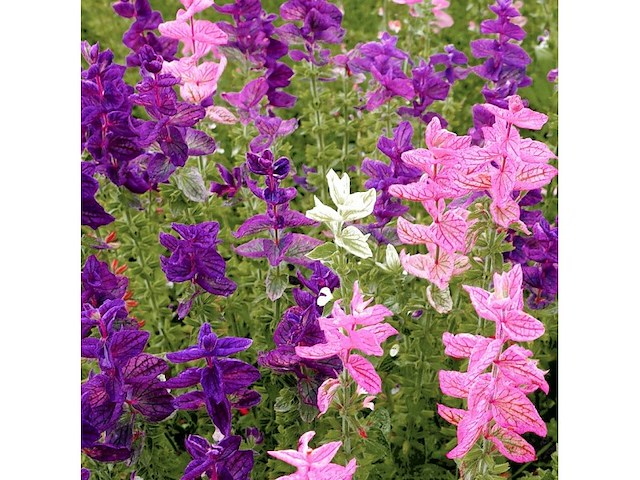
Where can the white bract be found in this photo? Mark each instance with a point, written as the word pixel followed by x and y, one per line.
pixel 351 206
pixel 391 261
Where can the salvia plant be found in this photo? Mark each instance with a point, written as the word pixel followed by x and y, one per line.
pixel 319 240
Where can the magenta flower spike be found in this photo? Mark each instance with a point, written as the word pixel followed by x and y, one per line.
pixel 314 464
pixel 497 405
pixel 343 336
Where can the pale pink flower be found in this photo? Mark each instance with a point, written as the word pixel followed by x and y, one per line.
pixel 395 26
pixel 197 82
pixel 314 464
pixel 442 18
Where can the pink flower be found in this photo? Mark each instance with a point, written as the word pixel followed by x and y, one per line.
pixel 343 336
pixel 314 464
pixel 197 82
pixel 504 306
pixel 442 19
pixel 497 405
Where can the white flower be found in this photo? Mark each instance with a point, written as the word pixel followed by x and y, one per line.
pixel 394 350
pixel 325 297
pixel 350 207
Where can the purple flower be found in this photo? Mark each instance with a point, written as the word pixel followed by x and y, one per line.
pixel 428 87
pixel 382 176
pixel 270 129
pixel 222 460
pixel 219 378
pixel 141 31
pixel 195 258
pixel 505 65
pixel 92 213
pixel 452 60
pixel 99 284
pixel 247 101
pixel 233 182
pixel 321 23
pixel 290 247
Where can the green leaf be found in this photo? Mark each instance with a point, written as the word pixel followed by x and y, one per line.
pixel 190 183
pixel 276 284
pixel 323 252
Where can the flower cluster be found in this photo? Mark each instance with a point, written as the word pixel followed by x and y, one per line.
pixel 299 327
pixel 253 36
pixel 453 169
pixel 220 378
pixel 343 336
pixel 195 258
pixel 314 463
pixel 141 32
pixel 321 23
pixel 505 65
pixel 223 459
pixel 198 80
pixel 382 176
pixel 128 382
pixel 289 247
pixel 541 250
pixel 497 405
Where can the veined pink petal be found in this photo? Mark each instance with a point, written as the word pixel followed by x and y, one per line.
pixel 323 455
pixel 455 384
pixel 417 192
pixel 365 340
pixel 420 158
pixel 451 415
pixel 381 331
pixel 372 315
pixel 480 392
pixel 518 114
pixel 326 392
pixel 292 457
pixel 411 233
pixel 513 410
pixel 506 213
pixel 449 231
pixel 474 181
pixel 350 469
pixel 532 151
pixel 484 353
pixel 193 7
pixel 514 363
pixel 469 430
pixel 364 374
pixel 460 345
pixel 318 351
pixel 358 303
pixel 480 301
pixel 521 327
pixel 511 445
pixel 502 183
pixel 534 175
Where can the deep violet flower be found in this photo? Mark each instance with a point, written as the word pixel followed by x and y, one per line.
pixel 92 213
pixel 220 378
pixel 99 284
pixel 222 460
pixel 195 258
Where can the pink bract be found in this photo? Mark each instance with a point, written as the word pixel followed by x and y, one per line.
pixel 314 463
